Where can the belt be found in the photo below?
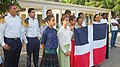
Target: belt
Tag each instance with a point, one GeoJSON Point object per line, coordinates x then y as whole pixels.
{"type": "Point", "coordinates": [33, 37]}
{"type": "Point", "coordinates": [16, 38]}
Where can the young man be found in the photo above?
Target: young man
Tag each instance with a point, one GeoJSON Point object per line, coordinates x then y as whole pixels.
{"type": "Point", "coordinates": [114, 30]}
{"type": "Point", "coordinates": [79, 22]}
{"type": "Point", "coordinates": [82, 15]}
{"type": "Point", "coordinates": [68, 13]}
{"type": "Point", "coordinates": [31, 31]}
{"type": "Point", "coordinates": [44, 22]}
{"type": "Point", "coordinates": [104, 18]}
{"type": "Point", "coordinates": [11, 34]}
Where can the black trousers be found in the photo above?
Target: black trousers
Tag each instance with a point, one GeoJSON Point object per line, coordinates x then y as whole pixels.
{"type": "Point", "coordinates": [33, 47]}
{"type": "Point", "coordinates": [12, 56]}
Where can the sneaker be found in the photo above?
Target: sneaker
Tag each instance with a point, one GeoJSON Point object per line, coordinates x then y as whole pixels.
{"type": "Point", "coordinates": [111, 47]}
{"type": "Point", "coordinates": [115, 46]}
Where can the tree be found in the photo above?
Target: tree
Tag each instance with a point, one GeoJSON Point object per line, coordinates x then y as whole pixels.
{"type": "Point", "coordinates": [3, 7]}
{"type": "Point", "coordinates": [4, 4]}
{"type": "Point", "coordinates": [114, 5]}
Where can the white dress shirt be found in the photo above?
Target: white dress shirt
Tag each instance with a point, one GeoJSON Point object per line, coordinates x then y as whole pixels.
{"type": "Point", "coordinates": [32, 30]}
{"type": "Point", "coordinates": [1, 32]}
{"type": "Point", "coordinates": [64, 38]}
{"type": "Point", "coordinates": [12, 28]}
{"type": "Point", "coordinates": [114, 27]}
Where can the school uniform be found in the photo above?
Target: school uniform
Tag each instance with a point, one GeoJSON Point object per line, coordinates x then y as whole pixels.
{"type": "Point", "coordinates": [64, 39]}
{"type": "Point", "coordinates": [11, 35]}
{"type": "Point", "coordinates": [50, 41]}
{"type": "Point", "coordinates": [31, 32]}
{"type": "Point", "coordinates": [1, 29]}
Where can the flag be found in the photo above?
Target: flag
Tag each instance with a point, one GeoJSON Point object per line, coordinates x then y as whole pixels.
{"type": "Point", "coordinates": [90, 45]}
{"type": "Point", "coordinates": [82, 48]}
{"type": "Point", "coordinates": [72, 53]}
{"type": "Point", "coordinates": [99, 43]}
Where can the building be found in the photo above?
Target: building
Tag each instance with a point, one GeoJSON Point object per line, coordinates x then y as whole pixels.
{"type": "Point", "coordinates": [58, 9]}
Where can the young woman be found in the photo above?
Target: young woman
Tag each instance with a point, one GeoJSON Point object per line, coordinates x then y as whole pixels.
{"type": "Point", "coordinates": [64, 40]}
{"type": "Point", "coordinates": [50, 43]}
{"type": "Point", "coordinates": [96, 19]}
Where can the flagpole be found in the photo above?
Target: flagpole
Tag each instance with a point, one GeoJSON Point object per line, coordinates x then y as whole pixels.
{"type": "Point", "coordinates": [107, 44]}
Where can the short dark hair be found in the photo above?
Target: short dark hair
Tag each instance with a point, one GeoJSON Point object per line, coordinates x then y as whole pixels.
{"type": "Point", "coordinates": [71, 18]}
{"type": "Point", "coordinates": [80, 14]}
{"type": "Point", "coordinates": [79, 18]}
{"type": "Point", "coordinates": [30, 10]}
{"type": "Point", "coordinates": [10, 5]}
{"type": "Point", "coordinates": [103, 14]}
{"type": "Point", "coordinates": [48, 11]}
{"type": "Point", "coordinates": [113, 14]}
{"type": "Point", "coordinates": [95, 17]}
{"type": "Point", "coordinates": [67, 11]}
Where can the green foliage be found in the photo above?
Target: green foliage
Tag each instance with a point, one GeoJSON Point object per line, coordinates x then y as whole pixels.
{"type": "Point", "coordinates": [4, 4]}
{"type": "Point", "coordinates": [114, 5]}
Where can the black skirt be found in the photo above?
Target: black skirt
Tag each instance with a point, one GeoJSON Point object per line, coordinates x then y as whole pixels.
{"type": "Point", "coordinates": [49, 58]}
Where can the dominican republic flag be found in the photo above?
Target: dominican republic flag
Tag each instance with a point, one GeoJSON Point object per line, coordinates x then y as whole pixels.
{"type": "Point", "coordinates": [90, 45]}
{"type": "Point", "coordinates": [99, 43]}
{"type": "Point", "coordinates": [82, 48]}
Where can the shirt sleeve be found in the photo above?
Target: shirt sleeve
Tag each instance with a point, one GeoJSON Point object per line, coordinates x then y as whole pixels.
{"type": "Point", "coordinates": [24, 31]}
{"type": "Point", "coordinates": [60, 41]}
{"type": "Point", "coordinates": [2, 33]}
{"type": "Point", "coordinates": [44, 37]}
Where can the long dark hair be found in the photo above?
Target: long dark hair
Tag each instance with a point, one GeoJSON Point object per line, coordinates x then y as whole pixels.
{"type": "Point", "coordinates": [95, 17]}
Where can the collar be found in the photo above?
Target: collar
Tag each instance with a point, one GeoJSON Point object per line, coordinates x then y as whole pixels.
{"type": "Point", "coordinates": [8, 14]}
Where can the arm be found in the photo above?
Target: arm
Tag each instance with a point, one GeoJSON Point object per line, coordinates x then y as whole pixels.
{"type": "Point", "coordinates": [24, 31]}
{"type": "Point", "coordinates": [115, 24]}
{"type": "Point", "coordinates": [60, 41]}
{"type": "Point", "coordinates": [5, 46]}
{"type": "Point", "coordinates": [43, 41]}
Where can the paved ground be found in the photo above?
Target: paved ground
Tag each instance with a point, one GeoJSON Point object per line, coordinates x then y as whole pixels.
{"type": "Point", "coordinates": [113, 61]}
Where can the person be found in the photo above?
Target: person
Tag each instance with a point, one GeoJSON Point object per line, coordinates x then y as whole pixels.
{"type": "Point", "coordinates": [79, 22]}
{"type": "Point", "coordinates": [1, 30]}
{"type": "Point", "coordinates": [96, 20]}
{"type": "Point", "coordinates": [72, 25]}
{"type": "Point", "coordinates": [11, 37]}
{"type": "Point", "coordinates": [64, 40]}
{"type": "Point", "coordinates": [72, 20]}
{"type": "Point", "coordinates": [44, 22]}
{"type": "Point", "coordinates": [82, 15]}
{"type": "Point", "coordinates": [50, 43]}
{"type": "Point", "coordinates": [114, 30]}
{"type": "Point", "coordinates": [67, 13]}
{"type": "Point", "coordinates": [104, 18]}
{"type": "Point", "coordinates": [32, 35]}
{"type": "Point", "coordinates": [49, 12]}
